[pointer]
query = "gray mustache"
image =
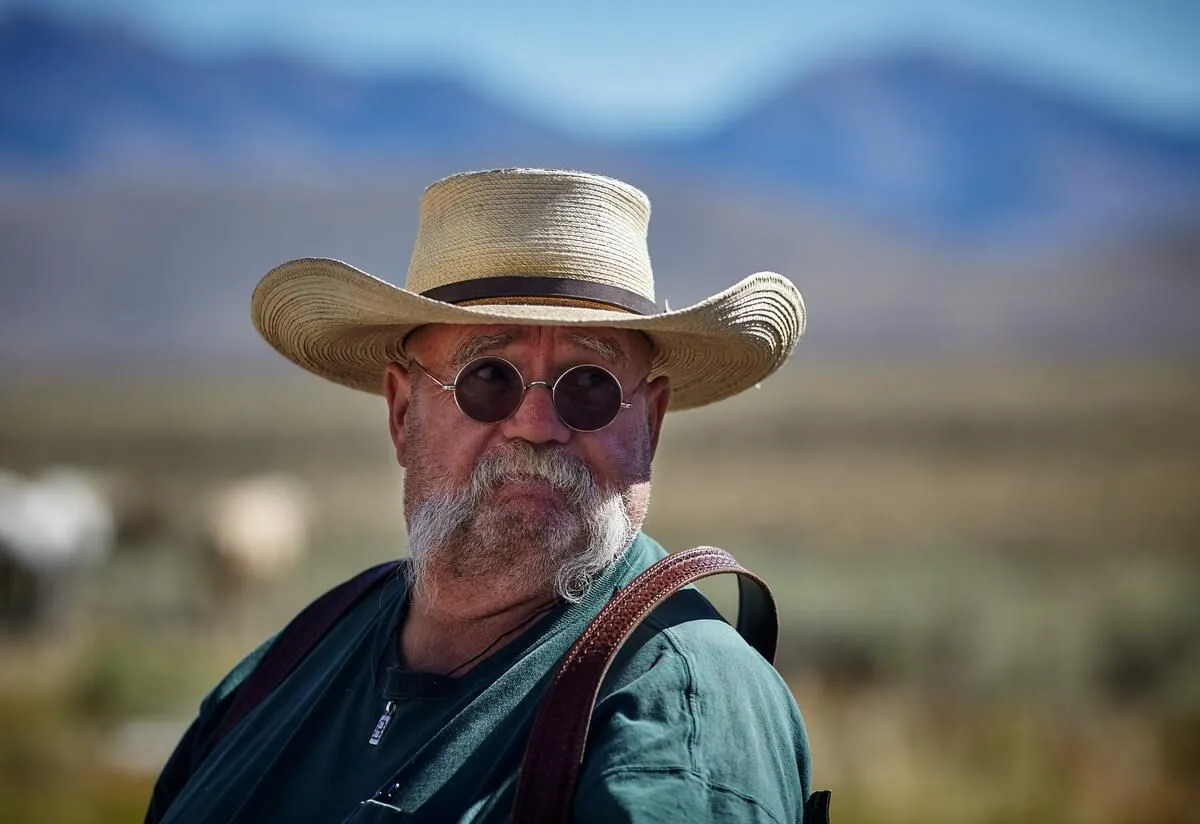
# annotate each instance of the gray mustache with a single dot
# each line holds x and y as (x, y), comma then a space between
(602, 532)
(519, 460)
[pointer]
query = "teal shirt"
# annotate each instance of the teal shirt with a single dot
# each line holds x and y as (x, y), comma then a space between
(691, 725)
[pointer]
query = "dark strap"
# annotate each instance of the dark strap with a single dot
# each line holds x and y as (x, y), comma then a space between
(550, 286)
(816, 808)
(295, 642)
(554, 753)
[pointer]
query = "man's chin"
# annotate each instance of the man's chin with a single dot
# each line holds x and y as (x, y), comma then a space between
(528, 517)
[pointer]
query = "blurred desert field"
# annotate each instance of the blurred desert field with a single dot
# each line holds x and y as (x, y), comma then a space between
(987, 574)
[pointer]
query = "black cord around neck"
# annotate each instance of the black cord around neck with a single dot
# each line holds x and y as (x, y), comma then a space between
(533, 616)
(528, 620)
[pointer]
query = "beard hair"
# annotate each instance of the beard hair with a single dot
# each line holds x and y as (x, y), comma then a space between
(452, 531)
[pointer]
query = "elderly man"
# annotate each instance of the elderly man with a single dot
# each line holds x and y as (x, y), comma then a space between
(527, 376)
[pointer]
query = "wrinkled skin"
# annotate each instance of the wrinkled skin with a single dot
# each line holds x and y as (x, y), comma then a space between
(494, 572)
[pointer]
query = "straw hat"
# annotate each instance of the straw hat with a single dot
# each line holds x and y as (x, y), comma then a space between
(528, 247)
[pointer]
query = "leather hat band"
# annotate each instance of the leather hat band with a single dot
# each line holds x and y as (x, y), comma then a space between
(511, 286)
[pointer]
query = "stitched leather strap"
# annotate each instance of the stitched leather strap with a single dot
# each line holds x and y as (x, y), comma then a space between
(554, 754)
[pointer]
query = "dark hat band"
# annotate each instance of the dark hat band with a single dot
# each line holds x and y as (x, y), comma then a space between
(519, 286)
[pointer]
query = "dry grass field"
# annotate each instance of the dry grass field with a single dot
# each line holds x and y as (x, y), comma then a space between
(987, 574)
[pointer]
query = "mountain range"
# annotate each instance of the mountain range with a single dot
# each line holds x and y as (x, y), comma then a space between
(921, 199)
(917, 139)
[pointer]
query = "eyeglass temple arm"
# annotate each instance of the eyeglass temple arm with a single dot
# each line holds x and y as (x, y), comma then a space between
(446, 387)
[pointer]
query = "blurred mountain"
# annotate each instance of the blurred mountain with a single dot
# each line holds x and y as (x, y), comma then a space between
(918, 140)
(923, 205)
(932, 143)
(95, 98)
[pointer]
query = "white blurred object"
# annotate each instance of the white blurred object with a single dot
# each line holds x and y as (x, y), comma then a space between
(51, 527)
(55, 520)
(256, 529)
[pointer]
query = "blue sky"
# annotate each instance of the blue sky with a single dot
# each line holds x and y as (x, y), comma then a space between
(625, 67)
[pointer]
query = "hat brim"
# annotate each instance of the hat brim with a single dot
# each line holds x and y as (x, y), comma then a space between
(345, 325)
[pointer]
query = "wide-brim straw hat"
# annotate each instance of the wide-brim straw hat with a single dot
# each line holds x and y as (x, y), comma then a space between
(528, 247)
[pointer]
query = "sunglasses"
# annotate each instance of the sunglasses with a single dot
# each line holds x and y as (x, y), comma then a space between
(490, 389)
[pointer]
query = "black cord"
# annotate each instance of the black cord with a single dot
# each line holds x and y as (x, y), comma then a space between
(529, 620)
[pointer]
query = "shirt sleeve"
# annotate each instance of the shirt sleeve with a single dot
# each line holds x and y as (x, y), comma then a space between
(192, 747)
(671, 795)
(693, 725)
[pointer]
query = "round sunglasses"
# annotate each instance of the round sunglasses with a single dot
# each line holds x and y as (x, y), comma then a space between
(490, 389)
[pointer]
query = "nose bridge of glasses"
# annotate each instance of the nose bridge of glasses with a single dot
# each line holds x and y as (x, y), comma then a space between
(535, 416)
(526, 399)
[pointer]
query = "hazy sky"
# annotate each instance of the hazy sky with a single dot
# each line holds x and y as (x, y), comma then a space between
(621, 66)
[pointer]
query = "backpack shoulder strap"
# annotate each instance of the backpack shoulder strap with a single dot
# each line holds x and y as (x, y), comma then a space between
(295, 642)
(554, 753)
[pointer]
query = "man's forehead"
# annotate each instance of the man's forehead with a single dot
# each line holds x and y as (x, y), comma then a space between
(460, 343)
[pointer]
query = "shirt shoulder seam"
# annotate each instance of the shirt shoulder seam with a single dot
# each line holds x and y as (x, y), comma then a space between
(691, 692)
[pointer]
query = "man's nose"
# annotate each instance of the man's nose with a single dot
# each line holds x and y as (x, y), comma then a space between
(536, 420)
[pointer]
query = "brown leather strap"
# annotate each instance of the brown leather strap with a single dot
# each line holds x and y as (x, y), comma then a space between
(550, 770)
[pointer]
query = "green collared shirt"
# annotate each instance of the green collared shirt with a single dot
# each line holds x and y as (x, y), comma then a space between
(691, 725)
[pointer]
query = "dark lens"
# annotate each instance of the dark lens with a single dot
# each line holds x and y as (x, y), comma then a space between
(489, 389)
(587, 398)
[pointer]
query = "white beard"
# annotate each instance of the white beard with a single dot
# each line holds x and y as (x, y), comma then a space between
(454, 532)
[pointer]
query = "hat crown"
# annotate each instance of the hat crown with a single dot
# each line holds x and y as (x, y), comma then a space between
(535, 224)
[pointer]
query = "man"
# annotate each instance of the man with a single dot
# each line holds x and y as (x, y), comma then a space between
(527, 375)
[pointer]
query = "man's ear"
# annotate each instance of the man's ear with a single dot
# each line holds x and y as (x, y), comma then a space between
(397, 389)
(658, 397)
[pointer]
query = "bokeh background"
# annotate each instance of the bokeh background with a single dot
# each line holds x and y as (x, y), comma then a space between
(974, 489)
